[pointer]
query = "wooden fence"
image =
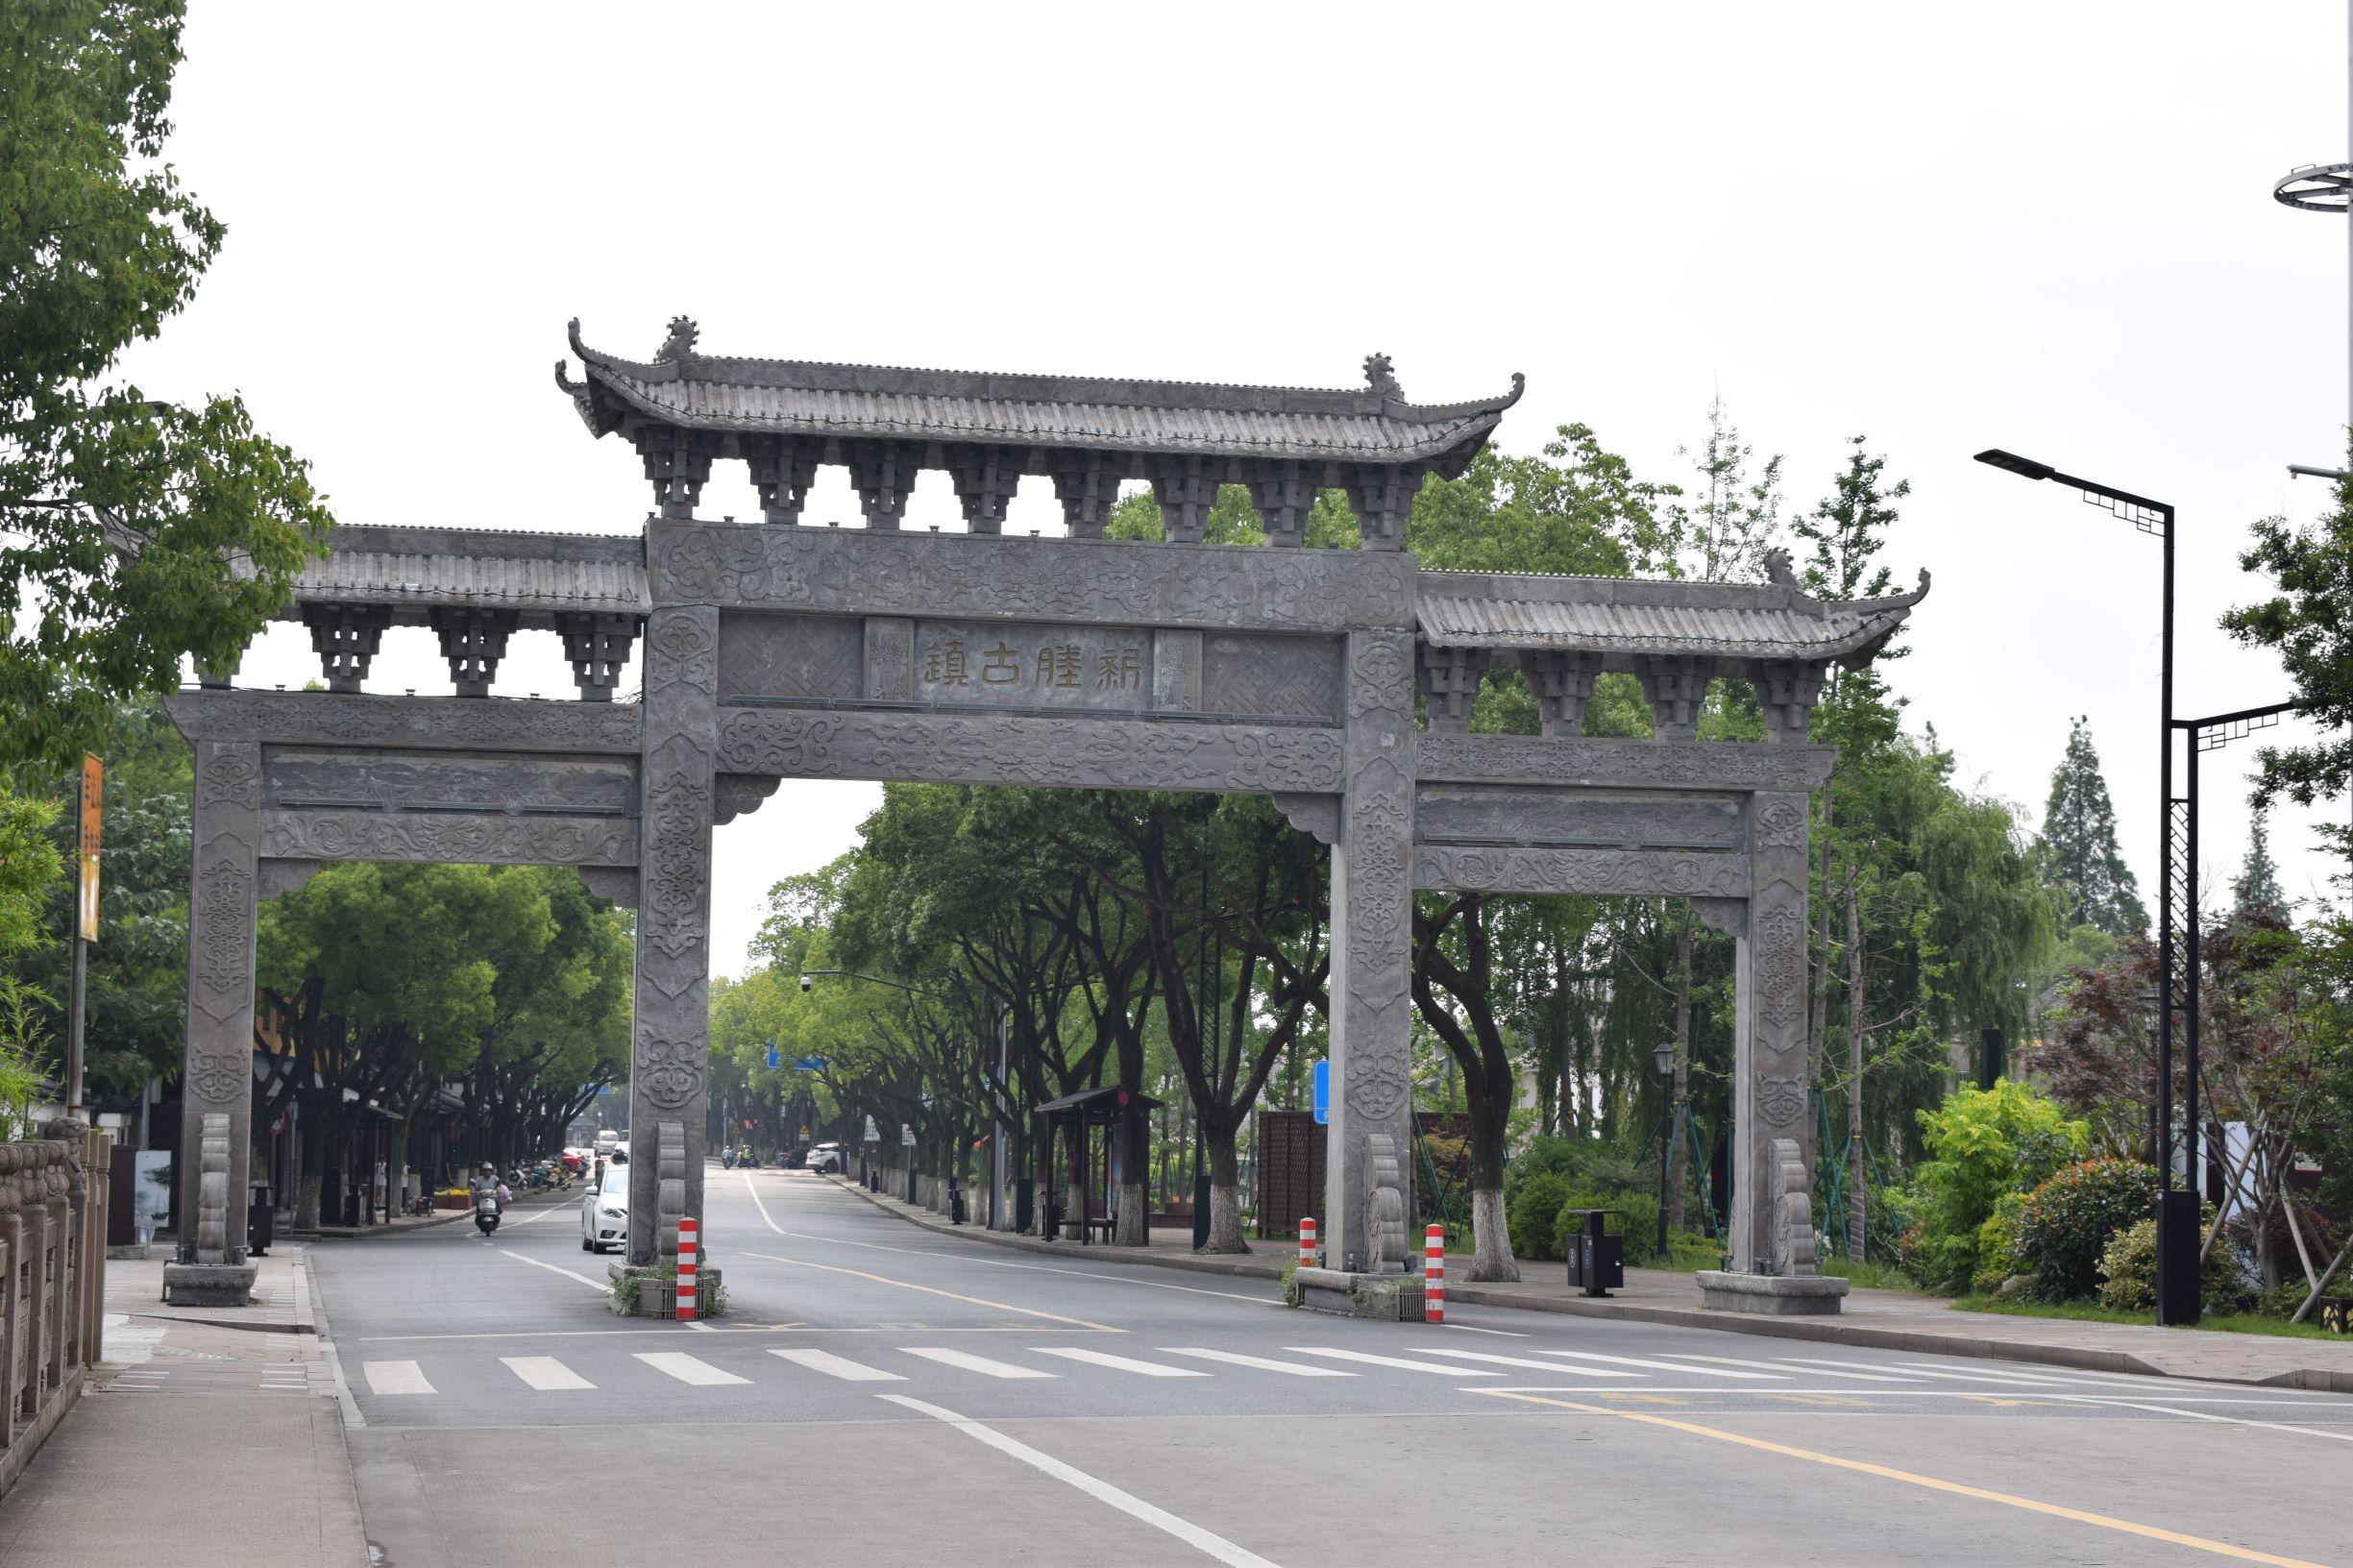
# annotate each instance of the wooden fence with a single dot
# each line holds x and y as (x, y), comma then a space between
(52, 1252)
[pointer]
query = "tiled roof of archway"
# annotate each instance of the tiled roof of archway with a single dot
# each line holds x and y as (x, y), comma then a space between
(1627, 616)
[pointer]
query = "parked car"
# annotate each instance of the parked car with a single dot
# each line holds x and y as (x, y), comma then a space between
(825, 1156)
(604, 1212)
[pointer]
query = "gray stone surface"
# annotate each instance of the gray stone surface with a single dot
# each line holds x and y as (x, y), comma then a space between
(208, 1284)
(1769, 1035)
(1774, 1295)
(1387, 1298)
(217, 1065)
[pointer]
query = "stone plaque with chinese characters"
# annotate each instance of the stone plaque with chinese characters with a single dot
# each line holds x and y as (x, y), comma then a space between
(1012, 664)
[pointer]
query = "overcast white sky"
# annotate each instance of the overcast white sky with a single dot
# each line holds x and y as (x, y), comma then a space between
(2047, 228)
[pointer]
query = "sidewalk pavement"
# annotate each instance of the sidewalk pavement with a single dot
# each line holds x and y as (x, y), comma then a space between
(1895, 1320)
(203, 1444)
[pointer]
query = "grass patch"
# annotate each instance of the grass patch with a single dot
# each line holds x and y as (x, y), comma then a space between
(1868, 1274)
(2086, 1311)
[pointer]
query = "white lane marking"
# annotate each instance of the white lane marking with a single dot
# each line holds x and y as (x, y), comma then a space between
(395, 1378)
(1102, 1491)
(1264, 1363)
(1473, 1328)
(698, 1323)
(687, 1370)
(2041, 1373)
(542, 1214)
(1662, 1366)
(1398, 1361)
(1918, 1368)
(1118, 1363)
(545, 1373)
(1777, 1367)
(1027, 1268)
(593, 1285)
(1541, 1366)
(2204, 1415)
(838, 1366)
(2008, 1380)
(981, 1365)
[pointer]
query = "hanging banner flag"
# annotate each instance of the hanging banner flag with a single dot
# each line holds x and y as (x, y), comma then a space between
(93, 782)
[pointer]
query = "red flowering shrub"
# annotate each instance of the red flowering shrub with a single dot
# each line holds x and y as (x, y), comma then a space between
(2067, 1222)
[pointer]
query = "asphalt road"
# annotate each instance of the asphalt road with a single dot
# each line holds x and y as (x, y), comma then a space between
(875, 1391)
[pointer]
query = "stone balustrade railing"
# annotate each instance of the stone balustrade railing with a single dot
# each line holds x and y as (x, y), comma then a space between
(53, 1225)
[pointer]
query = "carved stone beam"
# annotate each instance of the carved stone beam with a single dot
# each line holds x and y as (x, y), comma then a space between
(598, 648)
(1450, 678)
(346, 637)
(1563, 684)
(986, 479)
(1677, 687)
(783, 468)
(678, 463)
(884, 473)
(1786, 690)
(1088, 488)
(1698, 874)
(1186, 490)
(473, 640)
(1382, 495)
(1284, 494)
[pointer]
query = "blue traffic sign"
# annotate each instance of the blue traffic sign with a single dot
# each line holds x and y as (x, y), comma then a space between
(1323, 1094)
(771, 1054)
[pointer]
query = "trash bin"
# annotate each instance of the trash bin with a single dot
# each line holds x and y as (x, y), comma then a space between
(350, 1209)
(1597, 1259)
(955, 1206)
(260, 1223)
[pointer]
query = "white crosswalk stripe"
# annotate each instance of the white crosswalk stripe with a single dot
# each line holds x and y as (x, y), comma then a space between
(1781, 1366)
(838, 1366)
(1663, 1366)
(545, 1373)
(395, 1378)
(1553, 1367)
(1118, 1363)
(1264, 1364)
(2013, 1379)
(688, 1370)
(1370, 1359)
(981, 1365)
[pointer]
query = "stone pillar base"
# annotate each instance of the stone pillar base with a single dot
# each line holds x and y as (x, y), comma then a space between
(208, 1284)
(1392, 1298)
(1772, 1295)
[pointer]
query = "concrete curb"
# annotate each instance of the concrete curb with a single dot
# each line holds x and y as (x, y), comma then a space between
(1835, 1331)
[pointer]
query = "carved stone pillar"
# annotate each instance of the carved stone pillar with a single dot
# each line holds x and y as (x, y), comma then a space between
(346, 638)
(217, 1075)
(12, 1301)
(1676, 688)
(670, 1048)
(473, 640)
(1372, 929)
(1450, 686)
(1563, 684)
(598, 648)
(1769, 1089)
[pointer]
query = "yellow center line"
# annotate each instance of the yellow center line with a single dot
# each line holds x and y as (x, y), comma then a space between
(903, 1284)
(2153, 1533)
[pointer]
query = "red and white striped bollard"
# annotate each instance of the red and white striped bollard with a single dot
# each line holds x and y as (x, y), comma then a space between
(688, 1237)
(1434, 1274)
(1306, 1243)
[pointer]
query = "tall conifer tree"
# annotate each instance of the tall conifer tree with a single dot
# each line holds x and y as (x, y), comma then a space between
(2079, 832)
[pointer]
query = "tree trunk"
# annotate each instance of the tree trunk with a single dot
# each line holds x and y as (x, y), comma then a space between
(1677, 1176)
(1225, 1194)
(1135, 1209)
(1858, 1199)
(1490, 1232)
(314, 1162)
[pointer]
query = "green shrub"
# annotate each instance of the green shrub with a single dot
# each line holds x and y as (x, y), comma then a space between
(1636, 1220)
(2066, 1223)
(1532, 1211)
(1997, 1254)
(2128, 1272)
(1978, 1142)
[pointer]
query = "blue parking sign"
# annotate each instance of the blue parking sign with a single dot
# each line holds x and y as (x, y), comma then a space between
(1323, 1094)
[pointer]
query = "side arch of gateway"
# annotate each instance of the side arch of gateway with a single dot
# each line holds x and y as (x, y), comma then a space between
(778, 649)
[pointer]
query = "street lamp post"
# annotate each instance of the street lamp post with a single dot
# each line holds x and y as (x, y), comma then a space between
(1662, 1062)
(2177, 1283)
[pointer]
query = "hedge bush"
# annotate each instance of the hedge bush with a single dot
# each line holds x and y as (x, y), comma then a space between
(1981, 1143)
(1532, 1211)
(2067, 1224)
(2128, 1271)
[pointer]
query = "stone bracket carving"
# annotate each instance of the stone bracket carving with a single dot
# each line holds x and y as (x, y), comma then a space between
(1385, 1206)
(614, 884)
(1318, 816)
(1676, 688)
(1663, 872)
(286, 875)
(1729, 916)
(346, 637)
(1449, 679)
(670, 1194)
(473, 640)
(597, 646)
(1791, 1205)
(739, 795)
(212, 1191)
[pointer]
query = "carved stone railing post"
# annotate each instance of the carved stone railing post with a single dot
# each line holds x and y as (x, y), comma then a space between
(1372, 894)
(60, 1238)
(71, 1135)
(217, 1069)
(670, 1042)
(1769, 1069)
(11, 1291)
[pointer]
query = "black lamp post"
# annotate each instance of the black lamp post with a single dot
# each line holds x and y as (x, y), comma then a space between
(2177, 1281)
(1662, 1062)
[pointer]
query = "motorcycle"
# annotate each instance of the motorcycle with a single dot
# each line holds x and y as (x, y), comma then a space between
(485, 1211)
(726, 1159)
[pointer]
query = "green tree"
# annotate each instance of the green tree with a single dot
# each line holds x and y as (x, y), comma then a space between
(30, 865)
(132, 532)
(2256, 887)
(2079, 835)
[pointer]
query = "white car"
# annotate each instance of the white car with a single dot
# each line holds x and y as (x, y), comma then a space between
(604, 1212)
(825, 1156)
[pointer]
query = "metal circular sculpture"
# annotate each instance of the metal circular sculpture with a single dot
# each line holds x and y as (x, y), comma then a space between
(2316, 188)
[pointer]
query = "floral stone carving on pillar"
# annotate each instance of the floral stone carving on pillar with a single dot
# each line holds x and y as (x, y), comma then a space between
(1769, 1071)
(1372, 891)
(217, 1065)
(669, 1038)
